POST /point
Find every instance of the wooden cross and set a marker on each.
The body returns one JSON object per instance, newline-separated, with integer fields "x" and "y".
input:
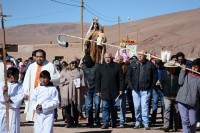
{"x": 5, "y": 68}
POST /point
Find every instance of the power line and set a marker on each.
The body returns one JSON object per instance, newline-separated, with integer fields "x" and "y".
{"x": 75, "y": 1}
{"x": 84, "y": 8}
{"x": 64, "y": 3}
{"x": 99, "y": 16}
{"x": 98, "y": 12}
{"x": 75, "y": 6}
{"x": 20, "y": 19}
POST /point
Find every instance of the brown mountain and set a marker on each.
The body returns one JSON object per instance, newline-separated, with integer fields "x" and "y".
{"x": 176, "y": 32}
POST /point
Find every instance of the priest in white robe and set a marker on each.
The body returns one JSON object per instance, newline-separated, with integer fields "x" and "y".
{"x": 31, "y": 79}
{"x": 44, "y": 100}
{"x": 15, "y": 93}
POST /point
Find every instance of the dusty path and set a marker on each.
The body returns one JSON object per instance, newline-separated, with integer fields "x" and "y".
{"x": 59, "y": 127}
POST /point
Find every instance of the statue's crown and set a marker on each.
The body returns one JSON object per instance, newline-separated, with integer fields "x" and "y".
{"x": 95, "y": 20}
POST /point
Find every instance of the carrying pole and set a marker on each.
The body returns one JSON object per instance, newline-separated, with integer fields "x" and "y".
{"x": 117, "y": 46}
{"x": 82, "y": 48}
{"x": 4, "y": 61}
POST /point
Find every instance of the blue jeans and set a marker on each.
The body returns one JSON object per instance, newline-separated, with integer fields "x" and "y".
{"x": 122, "y": 108}
{"x": 108, "y": 106}
{"x": 141, "y": 103}
{"x": 90, "y": 98}
{"x": 156, "y": 93}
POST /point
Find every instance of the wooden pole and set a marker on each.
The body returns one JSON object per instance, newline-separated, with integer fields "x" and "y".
{"x": 82, "y": 48}
{"x": 5, "y": 68}
{"x": 119, "y": 28}
{"x": 153, "y": 56}
{"x": 137, "y": 35}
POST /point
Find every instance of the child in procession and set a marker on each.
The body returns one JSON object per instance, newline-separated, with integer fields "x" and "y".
{"x": 14, "y": 99}
{"x": 44, "y": 100}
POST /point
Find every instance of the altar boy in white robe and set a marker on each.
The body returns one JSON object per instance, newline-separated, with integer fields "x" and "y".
{"x": 15, "y": 96}
{"x": 44, "y": 100}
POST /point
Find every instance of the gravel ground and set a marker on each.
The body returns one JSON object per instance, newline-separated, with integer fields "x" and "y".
{"x": 59, "y": 127}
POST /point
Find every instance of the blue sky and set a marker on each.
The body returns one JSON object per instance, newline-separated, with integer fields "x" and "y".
{"x": 47, "y": 11}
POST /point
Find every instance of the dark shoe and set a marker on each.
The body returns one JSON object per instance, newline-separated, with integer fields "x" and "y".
{"x": 176, "y": 130}
{"x": 114, "y": 126}
{"x": 55, "y": 119}
{"x": 165, "y": 129}
{"x": 105, "y": 126}
{"x": 133, "y": 119}
{"x": 68, "y": 126}
{"x": 97, "y": 123}
{"x": 77, "y": 124}
{"x": 89, "y": 125}
{"x": 153, "y": 122}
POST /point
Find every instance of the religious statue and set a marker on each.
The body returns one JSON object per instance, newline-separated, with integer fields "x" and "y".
{"x": 95, "y": 48}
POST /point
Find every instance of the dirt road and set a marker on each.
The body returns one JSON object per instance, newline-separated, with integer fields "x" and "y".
{"x": 59, "y": 127}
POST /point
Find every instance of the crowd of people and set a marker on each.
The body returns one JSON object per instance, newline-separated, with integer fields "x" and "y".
{"x": 92, "y": 87}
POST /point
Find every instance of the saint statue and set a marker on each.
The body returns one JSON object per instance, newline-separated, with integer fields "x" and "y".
{"x": 95, "y": 49}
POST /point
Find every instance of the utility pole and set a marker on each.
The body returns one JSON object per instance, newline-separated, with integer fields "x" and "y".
{"x": 137, "y": 35}
{"x": 119, "y": 28}
{"x": 82, "y": 48}
{"x": 4, "y": 60}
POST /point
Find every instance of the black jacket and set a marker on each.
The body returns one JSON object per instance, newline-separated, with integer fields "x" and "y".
{"x": 169, "y": 84}
{"x": 133, "y": 73}
{"x": 109, "y": 80}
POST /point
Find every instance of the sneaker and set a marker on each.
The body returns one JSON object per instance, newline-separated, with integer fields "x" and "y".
{"x": 146, "y": 128}
{"x": 198, "y": 125}
{"x": 122, "y": 126}
{"x": 136, "y": 126}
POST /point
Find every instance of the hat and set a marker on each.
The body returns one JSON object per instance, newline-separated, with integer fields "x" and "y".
{"x": 72, "y": 59}
{"x": 87, "y": 58}
{"x": 171, "y": 64}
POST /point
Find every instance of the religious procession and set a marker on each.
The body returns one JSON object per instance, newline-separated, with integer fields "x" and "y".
{"x": 99, "y": 89}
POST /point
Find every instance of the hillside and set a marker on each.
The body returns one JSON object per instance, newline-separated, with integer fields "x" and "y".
{"x": 176, "y": 32}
